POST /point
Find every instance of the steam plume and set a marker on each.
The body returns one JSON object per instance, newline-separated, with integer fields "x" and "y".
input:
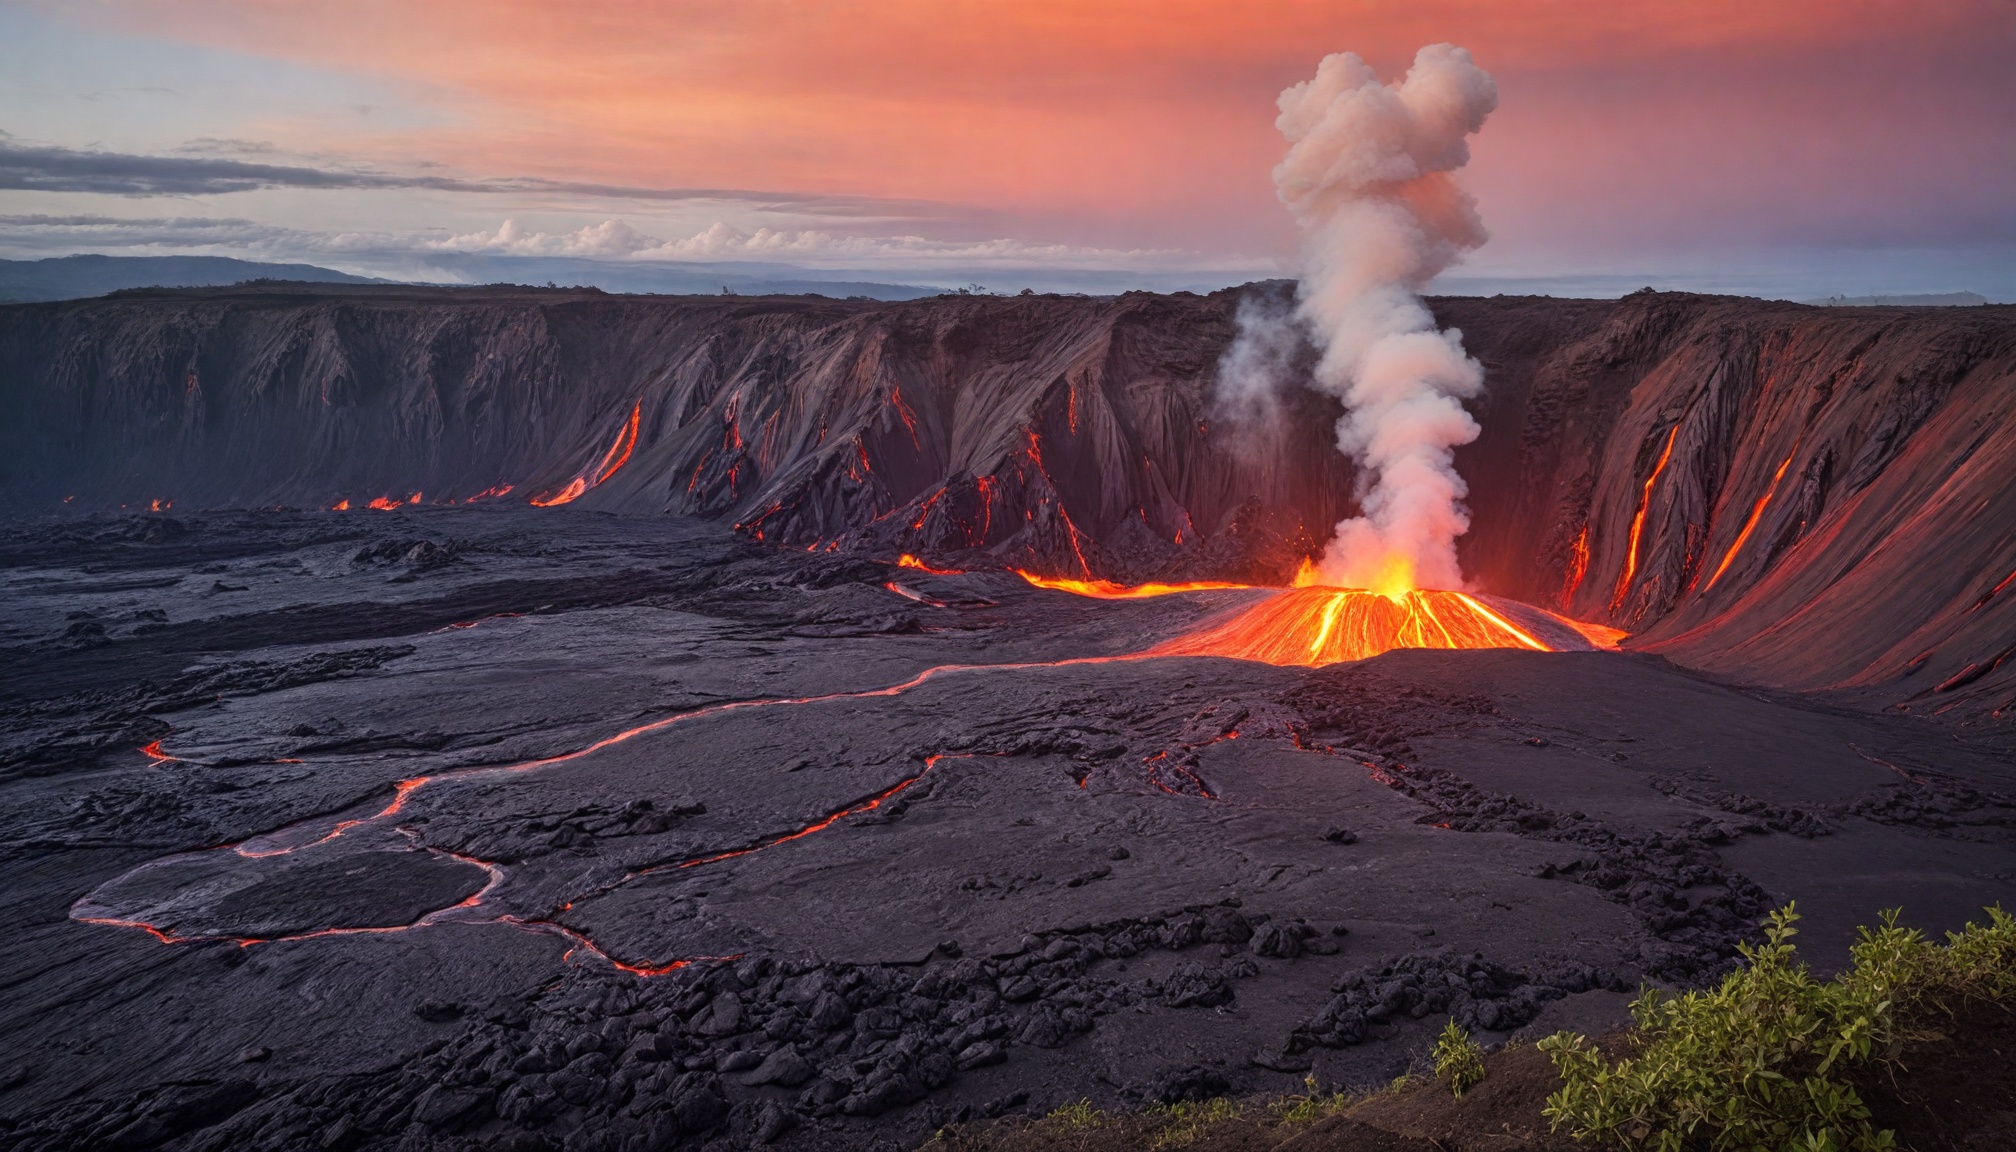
{"x": 1367, "y": 178}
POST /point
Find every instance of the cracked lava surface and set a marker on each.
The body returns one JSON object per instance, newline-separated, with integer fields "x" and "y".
{"x": 513, "y": 842}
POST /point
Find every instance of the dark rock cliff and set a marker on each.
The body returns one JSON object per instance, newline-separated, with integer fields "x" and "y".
{"x": 1812, "y": 498}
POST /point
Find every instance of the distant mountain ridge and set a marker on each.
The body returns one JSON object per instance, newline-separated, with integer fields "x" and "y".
{"x": 81, "y": 276}
{"x": 1918, "y": 300}
{"x": 74, "y": 277}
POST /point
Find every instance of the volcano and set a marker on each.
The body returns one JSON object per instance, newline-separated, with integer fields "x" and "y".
{"x": 520, "y": 718}
{"x": 1317, "y": 626}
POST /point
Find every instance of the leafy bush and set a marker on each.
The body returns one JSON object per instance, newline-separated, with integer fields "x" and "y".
{"x": 1759, "y": 1062}
{"x": 1459, "y": 1062}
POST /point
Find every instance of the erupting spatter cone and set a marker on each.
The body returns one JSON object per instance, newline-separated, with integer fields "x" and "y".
{"x": 1318, "y": 625}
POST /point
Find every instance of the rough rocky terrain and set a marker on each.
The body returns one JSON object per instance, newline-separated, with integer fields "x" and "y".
{"x": 1810, "y": 498}
{"x": 675, "y": 812}
{"x": 513, "y": 828}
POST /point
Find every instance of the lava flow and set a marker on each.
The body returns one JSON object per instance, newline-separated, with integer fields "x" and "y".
{"x": 1313, "y": 624}
{"x": 1108, "y": 590}
{"x": 1317, "y": 625}
{"x": 617, "y": 456}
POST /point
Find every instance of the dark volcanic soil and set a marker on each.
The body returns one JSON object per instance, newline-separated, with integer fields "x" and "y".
{"x": 504, "y": 828}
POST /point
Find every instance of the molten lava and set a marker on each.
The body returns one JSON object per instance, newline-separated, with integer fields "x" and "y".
{"x": 1750, "y": 525}
{"x": 1317, "y": 625}
{"x": 1108, "y": 590}
{"x": 908, "y": 561}
{"x": 1638, "y": 523}
{"x": 617, "y": 456}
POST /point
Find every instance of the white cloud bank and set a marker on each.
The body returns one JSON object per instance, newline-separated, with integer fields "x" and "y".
{"x": 615, "y": 240}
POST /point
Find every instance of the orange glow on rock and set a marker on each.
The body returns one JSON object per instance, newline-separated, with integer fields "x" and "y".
{"x": 572, "y": 492}
{"x": 1638, "y": 523}
{"x": 1108, "y": 590}
{"x": 1313, "y": 626}
{"x": 908, "y": 561}
{"x": 617, "y": 456}
{"x": 1750, "y": 525}
{"x": 153, "y": 752}
{"x": 1578, "y": 565}
{"x": 340, "y": 506}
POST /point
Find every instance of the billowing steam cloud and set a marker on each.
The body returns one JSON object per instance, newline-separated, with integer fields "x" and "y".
{"x": 1367, "y": 177}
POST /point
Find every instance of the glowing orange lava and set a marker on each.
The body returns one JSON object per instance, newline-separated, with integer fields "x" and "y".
{"x": 1317, "y": 625}
{"x": 1750, "y": 525}
{"x": 153, "y": 752}
{"x": 1638, "y": 522}
{"x": 1578, "y": 565}
{"x": 340, "y": 506}
{"x": 1108, "y": 590}
{"x": 908, "y": 561}
{"x": 617, "y": 456}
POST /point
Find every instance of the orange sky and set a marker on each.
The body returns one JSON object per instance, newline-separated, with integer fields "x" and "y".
{"x": 1149, "y": 122}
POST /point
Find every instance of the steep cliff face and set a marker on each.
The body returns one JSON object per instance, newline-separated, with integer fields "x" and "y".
{"x": 1813, "y": 498}
{"x": 1067, "y": 433}
{"x": 1804, "y": 498}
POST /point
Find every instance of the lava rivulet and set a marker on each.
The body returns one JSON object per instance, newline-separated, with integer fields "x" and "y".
{"x": 617, "y": 456}
{"x": 1317, "y": 625}
{"x": 1108, "y": 590}
{"x": 1638, "y": 523}
{"x": 1750, "y": 525}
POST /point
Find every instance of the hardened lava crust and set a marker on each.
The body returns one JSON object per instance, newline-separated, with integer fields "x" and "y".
{"x": 516, "y": 828}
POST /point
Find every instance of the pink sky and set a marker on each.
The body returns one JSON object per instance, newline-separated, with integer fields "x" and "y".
{"x": 1626, "y": 131}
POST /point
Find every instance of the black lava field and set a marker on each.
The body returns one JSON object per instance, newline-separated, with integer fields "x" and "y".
{"x": 687, "y": 812}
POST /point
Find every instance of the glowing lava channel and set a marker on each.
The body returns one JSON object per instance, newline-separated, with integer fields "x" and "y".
{"x": 1108, "y": 590}
{"x": 1750, "y": 525}
{"x": 1638, "y": 523}
{"x": 302, "y": 836}
{"x": 617, "y": 456}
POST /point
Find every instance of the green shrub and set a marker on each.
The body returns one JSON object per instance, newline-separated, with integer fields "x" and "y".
{"x": 1076, "y": 1117}
{"x": 1184, "y": 1122}
{"x": 1311, "y": 1105}
{"x": 1459, "y": 1062}
{"x": 1759, "y": 1062}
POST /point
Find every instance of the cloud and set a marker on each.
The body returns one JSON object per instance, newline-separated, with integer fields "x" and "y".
{"x": 615, "y": 240}
{"x": 431, "y": 255}
{"x": 51, "y": 168}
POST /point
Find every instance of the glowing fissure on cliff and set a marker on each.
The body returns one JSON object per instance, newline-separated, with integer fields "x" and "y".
{"x": 612, "y": 460}
{"x": 1750, "y": 525}
{"x": 1638, "y": 522}
{"x": 1578, "y": 565}
{"x": 1993, "y": 592}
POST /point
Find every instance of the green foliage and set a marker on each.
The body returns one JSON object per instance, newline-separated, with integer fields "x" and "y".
{"x": 1459, "y": 1062}
{"x": 1184, "y": 1122}
{"x": 1310, "y": 1106}
{"x": 1760, "y": 1061}
{"x": 1076, "y": 1117}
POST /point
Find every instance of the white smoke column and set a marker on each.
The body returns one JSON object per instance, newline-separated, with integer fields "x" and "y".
{"x": 1247, "y": 394}
{"x": 1367, "y": 177}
